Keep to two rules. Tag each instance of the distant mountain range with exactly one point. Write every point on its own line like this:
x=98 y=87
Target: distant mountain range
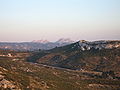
x=35 y=45
x=60 y=41
x=64 y=41
x=41 y=41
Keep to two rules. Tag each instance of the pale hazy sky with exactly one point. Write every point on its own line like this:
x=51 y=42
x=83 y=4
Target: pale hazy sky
x=27 y=20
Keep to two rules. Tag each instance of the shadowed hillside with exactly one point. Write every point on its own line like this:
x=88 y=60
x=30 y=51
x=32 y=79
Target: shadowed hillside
x=96 y=56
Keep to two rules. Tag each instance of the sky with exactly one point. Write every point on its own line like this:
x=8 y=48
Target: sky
x=27 y=20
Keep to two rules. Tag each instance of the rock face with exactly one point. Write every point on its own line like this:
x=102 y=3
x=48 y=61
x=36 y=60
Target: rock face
x=85 y=45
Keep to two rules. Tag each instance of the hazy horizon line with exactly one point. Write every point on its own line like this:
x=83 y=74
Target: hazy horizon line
x=59 y=39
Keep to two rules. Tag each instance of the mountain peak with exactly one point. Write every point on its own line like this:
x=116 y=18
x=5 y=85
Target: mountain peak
x=41 y=41
x=65 y=40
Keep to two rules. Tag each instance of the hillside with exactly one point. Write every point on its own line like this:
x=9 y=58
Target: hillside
x=17 y=74
x=79 y=66
x=96 y=56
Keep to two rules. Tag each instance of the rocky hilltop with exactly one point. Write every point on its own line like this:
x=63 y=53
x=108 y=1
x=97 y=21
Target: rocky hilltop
x=86 y=45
